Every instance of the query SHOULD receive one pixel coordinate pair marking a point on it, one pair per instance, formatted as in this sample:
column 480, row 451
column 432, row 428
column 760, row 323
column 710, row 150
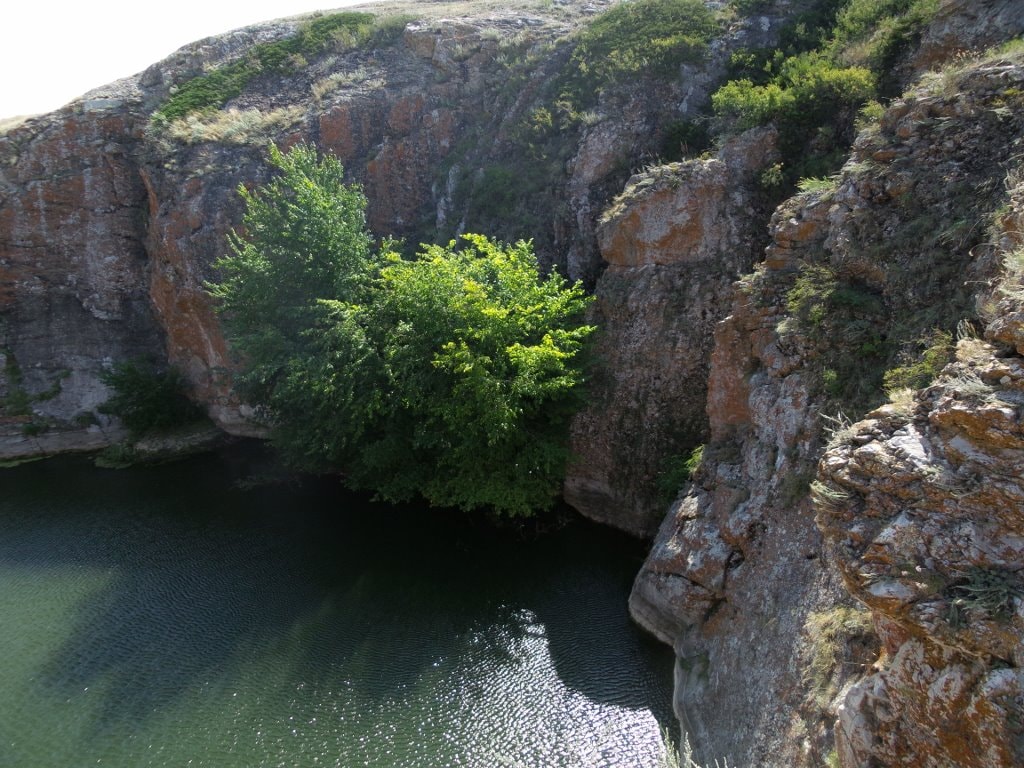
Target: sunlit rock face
column 917, row 513
column 922, row 506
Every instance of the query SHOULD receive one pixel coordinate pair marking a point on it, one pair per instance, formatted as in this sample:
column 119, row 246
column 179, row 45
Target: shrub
column 679, row 470
column 879, row 33
column 18, row 402
column 214, row 89
column 684, row 138
column 831, row 60
column 146, row 399
column 932, row 353
column 117, row 456
column 451, row 376
column 651, row 37
column 807, row 91
column 848, row 322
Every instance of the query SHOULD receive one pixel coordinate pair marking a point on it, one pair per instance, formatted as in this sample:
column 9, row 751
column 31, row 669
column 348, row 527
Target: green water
column 166, row 617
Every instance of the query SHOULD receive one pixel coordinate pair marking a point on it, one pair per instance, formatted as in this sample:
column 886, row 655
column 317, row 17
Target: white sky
column 53, row 52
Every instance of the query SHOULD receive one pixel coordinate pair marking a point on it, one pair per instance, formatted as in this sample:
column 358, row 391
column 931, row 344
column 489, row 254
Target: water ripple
column 162, row 617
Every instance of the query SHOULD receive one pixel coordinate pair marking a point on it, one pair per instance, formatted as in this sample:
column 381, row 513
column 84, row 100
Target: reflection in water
column 160, row 616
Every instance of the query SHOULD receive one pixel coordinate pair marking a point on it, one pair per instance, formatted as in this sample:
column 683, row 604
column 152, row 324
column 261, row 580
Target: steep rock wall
column 73, row 292
column 855, row 274
column 675, row 241
column 922, row 505
column 109, row 225
column 420, row 120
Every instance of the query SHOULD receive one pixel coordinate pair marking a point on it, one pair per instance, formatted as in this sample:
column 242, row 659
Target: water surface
column 166, row 617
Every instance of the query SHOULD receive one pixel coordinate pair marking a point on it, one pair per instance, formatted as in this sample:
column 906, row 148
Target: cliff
column 880, row 264
column 836, row 593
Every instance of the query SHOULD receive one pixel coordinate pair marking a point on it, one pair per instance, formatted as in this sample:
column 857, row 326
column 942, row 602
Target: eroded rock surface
column 899, row 244
column 675, row 241
column 922, row 504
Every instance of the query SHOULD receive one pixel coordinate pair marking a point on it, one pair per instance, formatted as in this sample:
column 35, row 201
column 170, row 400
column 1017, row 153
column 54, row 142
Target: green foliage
column 485, row 355
column 879, row 33
column 848, row 321
column 215, row 88
column 650, row 37
column 35, row 427
column 832, row 60
column 451, row 376
column 147, row 400
column 18, row 401
column 749, row 7
column 933, row 352
column 679, row 470
column 684, row 138
column 305, row 239
column 816, row 184
column 806, row 91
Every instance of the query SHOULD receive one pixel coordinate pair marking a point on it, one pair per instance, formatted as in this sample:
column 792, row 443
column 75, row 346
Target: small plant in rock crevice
column 832, row 634
column 992, row 592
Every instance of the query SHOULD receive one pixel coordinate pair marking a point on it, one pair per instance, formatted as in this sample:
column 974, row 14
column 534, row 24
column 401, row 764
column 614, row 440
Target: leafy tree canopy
column 451, row 376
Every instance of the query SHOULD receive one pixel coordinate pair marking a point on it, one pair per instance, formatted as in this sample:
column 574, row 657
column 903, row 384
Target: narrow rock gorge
column 840, row 577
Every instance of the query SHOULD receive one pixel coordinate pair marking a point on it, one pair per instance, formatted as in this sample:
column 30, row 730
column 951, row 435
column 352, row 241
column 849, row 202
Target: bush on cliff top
column 834, row 58
column 451, row 377
column 215, row 88
column 644, row 37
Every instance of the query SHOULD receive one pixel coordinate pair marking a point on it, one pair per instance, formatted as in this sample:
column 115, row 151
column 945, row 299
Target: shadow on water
column 204, row 579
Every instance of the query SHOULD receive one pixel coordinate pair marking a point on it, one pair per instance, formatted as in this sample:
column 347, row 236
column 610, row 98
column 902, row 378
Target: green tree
column 305, row 239
column 451, row 376
column 146, row 399
column 484, row 359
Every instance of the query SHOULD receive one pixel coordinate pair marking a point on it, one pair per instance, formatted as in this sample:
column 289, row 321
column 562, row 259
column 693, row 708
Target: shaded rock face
column 675, row 241
column 735, row 570
column 922, row 505
column 964, row 26
column 73, row 262
column 739, row 570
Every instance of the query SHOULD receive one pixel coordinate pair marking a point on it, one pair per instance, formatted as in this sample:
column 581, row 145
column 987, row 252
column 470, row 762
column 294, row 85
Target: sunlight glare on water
column 164, row 617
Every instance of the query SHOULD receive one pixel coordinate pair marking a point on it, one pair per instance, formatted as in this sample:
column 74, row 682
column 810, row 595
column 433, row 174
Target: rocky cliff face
column 109, row 223
column 433, row 119
column 900, row 243
column 827, row 587
column 675, row 240
column 73, row 267
column 922, row 506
